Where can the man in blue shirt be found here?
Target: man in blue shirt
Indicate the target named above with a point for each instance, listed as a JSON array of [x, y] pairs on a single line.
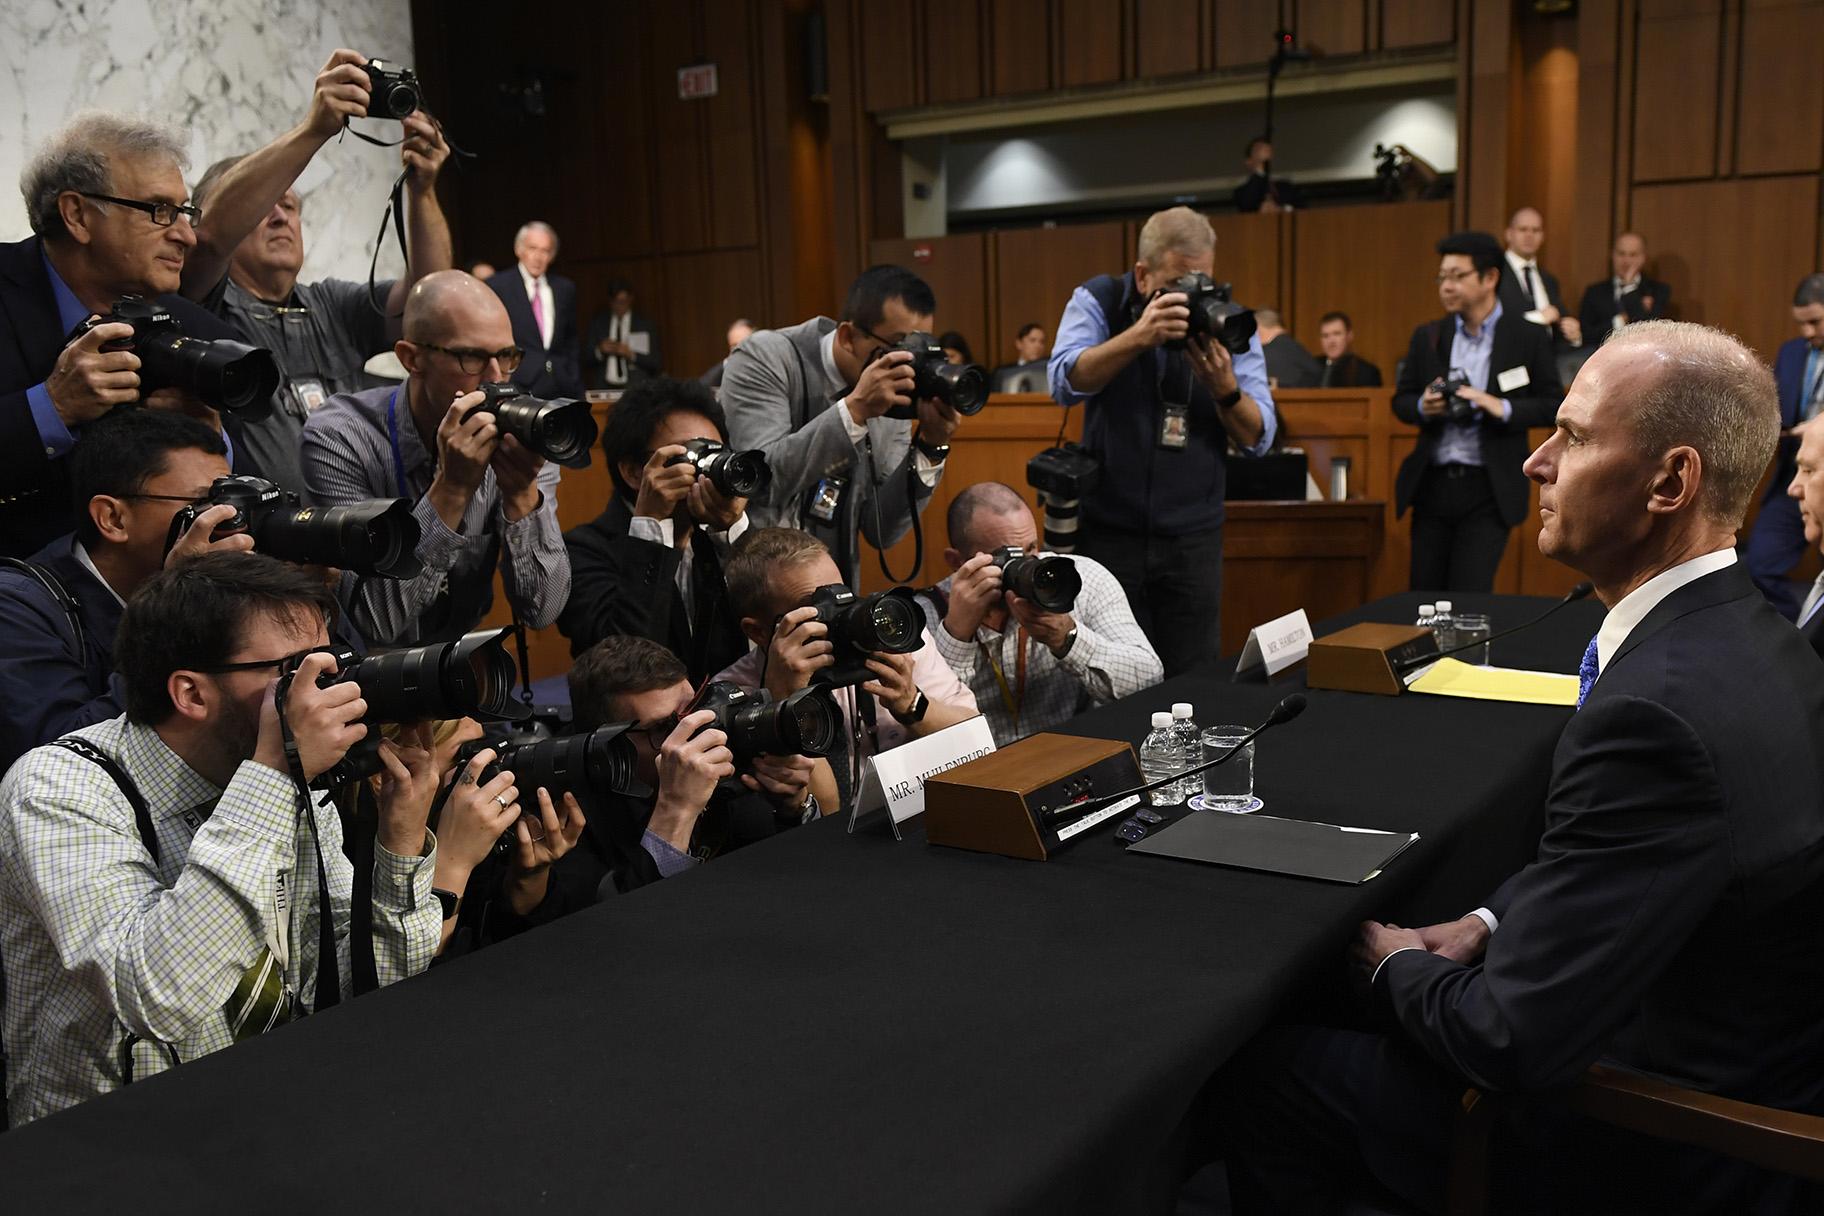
[[1160, 419], [1777, 540]]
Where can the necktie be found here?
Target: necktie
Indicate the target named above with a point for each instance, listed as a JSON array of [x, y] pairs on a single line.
[[1810, 608], [538, 308], [1329, 371], [1814, 387], [1532, 284], [1586, 673]]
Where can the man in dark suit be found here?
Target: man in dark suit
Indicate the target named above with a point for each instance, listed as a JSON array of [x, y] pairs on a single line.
[[542, 307], [1463, 480], [623, 345], [1807, 492], [1342, 367], [105, 197], [1778, 539], [1626, 296], [1289, 364], [651, 564], [1668, 923], [1261, 191], [1528, 289]]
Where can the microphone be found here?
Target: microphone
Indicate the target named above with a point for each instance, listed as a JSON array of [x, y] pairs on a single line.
[[1285, 711], [1580, 591]]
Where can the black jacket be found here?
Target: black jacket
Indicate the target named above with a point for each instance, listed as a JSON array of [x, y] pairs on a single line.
[[1350, 371], [639, 367], [543, 373], [1518, 343], [1517, 300], [1813, 631], [620, 584], [1290, 365], [50, 683], [1597, 311]]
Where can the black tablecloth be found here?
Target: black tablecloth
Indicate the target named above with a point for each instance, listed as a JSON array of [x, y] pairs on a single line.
[[834, 1023]]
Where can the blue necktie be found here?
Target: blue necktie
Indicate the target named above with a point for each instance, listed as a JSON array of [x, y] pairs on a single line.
[[1586, 673]]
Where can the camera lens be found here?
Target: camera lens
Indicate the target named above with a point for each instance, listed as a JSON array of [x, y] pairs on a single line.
[[228, 375], [892, 624], [401, 100], [814, 721], [471, 677], [601, 762], [562, 430], [377, 537], [1052, 583], [962, 387], [738, 474]]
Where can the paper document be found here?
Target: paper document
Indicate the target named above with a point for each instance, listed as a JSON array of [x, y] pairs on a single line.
[[1455, 678]]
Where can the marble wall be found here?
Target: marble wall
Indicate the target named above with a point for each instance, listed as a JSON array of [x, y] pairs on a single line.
[[229, 74]]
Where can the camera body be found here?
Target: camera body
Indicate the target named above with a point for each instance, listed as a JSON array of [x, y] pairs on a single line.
[[886, 622], [228, 375], [963, 387], [1456, 408], [1063, 476], [395, 89], [734, 474], [1214, 314], [1051, 582], [561, 431], [601, 761], [378, 537], [807, 723]]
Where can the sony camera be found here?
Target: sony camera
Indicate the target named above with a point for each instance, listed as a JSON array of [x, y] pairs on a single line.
[[807, 723], [734, 474], [963, 387], [395, 90], [1214, 314], [563, 430], [376, 537], [1051, 582], [601, 761], [1063, 476], [1456, 408], [886, 622], [228, 375]]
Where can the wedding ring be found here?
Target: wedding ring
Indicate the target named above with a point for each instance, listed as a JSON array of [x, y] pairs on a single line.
[[502, 799]]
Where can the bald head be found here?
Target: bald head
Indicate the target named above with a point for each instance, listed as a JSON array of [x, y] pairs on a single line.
[[449, 302], [1628, 256], [984, 508]]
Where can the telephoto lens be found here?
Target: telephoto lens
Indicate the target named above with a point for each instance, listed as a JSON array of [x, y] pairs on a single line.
[[1051, 582], [961, 386], [562, 430], [807, 723], [1213, 314], [376, 537], [886, 622], [603, 761], [225, 374], [734, 474]]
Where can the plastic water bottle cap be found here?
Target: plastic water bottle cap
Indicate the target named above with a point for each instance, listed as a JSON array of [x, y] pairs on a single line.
[[1161, 720], [1181, 709], [1427, 609], [1443, 605]]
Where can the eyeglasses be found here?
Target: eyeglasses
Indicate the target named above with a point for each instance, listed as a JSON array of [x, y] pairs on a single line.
[[883, 341], [1454, 276], [473, 362], [221, 669], [195, 500], [163, 214]]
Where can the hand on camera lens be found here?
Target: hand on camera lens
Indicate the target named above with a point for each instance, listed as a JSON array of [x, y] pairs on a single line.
[[543, 838], [325, 722], [785, 780], [663, 485], [800, 649], [1213, 366], [88, 381], [937, 422], [516, 469], [466, 439], [713, 508], [423, 151], [975, 588], [1049, 629], [886, 382], [1166, 318], [195, 540], [476, 814], [893, 685], [408, 786], [341, 92], [690, 764]]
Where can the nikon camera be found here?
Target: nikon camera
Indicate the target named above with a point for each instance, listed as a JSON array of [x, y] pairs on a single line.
[[376, 537], [226, 374]]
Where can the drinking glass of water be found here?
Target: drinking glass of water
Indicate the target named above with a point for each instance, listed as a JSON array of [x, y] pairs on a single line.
[[1230, 785], [1472, 627]]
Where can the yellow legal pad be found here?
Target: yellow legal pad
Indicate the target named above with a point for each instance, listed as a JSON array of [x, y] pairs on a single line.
[[1453, 678]]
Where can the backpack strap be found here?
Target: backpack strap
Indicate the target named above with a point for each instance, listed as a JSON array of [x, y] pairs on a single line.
[[53, 587], [94, 755]]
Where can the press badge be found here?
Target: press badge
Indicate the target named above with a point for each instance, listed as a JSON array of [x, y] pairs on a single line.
[[307, 395], [1175, 427], [826, 499], [1513, 378]]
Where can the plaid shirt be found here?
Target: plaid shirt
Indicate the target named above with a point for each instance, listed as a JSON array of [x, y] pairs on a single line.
[[1110, 659], [96, 937]]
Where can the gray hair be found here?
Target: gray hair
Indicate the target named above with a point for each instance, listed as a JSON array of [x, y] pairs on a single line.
[[1269, 317], [77, 158], [532, 226], [1709, 392], [1810, 291], [1175, 230]]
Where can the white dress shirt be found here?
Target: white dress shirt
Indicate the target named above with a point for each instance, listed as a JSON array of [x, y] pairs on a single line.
[[546, 312], [664, 532], [1520, 266], [927, 471]]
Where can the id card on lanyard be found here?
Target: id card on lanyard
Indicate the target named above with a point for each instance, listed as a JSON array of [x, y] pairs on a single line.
[[1013, 698], [392, 433]]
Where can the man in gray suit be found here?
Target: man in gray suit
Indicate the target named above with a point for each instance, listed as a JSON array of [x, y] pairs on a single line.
[[831, 404]]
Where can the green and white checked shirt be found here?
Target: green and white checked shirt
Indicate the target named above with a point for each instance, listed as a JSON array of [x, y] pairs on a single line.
[[97, 938]]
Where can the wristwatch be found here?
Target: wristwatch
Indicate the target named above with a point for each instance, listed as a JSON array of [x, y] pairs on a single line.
[[936, 453], [1070, 639], [1231, 401], [449, 900], [915, 715]]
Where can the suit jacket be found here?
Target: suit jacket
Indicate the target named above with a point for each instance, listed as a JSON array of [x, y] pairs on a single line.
[[1291, 365], [1597, 311], [552, 372], [49, 684], [1350, 371], [620, 584], [1669, 922], [1813, 632], [35, 505], [1789, 373], [1518, 343], [1516, 299], [639, 367]]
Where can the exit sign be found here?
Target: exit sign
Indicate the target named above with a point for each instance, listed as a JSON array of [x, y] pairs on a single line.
[[697, 81]]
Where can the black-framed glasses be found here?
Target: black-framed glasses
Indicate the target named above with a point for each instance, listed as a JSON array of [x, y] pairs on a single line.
[[473, 362], [289, 661], [163, 214], [886, 342], [195, 500]]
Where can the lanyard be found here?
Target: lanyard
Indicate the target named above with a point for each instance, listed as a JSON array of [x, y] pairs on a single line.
[[392, 432], [1014, 702]]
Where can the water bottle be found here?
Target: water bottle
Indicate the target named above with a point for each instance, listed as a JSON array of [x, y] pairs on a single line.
[[1428, 615], [1190, 749], [1160, 757], [1444, 625]]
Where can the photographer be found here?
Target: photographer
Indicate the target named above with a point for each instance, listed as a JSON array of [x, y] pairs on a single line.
[[106, 200], [483, 498], [651, 563], [1029, 666], [161, 892], [815, 398], [772, 579], [1463, 480], [250, 248], [1160, 419]]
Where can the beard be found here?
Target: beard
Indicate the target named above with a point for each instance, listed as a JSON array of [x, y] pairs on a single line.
[[237, 732]]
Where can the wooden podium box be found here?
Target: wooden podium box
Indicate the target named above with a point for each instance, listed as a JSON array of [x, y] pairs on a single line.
[[999, 803]]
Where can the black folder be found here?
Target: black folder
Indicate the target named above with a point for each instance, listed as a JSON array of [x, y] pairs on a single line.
[[1278, 846]]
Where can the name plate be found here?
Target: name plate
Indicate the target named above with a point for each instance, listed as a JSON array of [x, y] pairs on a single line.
[[1278, 644], [894, 781]]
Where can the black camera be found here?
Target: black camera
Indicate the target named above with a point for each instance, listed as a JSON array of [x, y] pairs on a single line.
[[395, 90], [1456, 409], [603, 761], [1214, 314], [376, 537], [1063, 476], [1051, 582], [961, 386], [735, 474], [807, 723], [228, 375], [562, 430], [886, 622]]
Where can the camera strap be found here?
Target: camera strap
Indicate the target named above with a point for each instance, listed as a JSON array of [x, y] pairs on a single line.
[[392, 433], [395, 205], [918, 530], [364, 825], [329, 976]]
